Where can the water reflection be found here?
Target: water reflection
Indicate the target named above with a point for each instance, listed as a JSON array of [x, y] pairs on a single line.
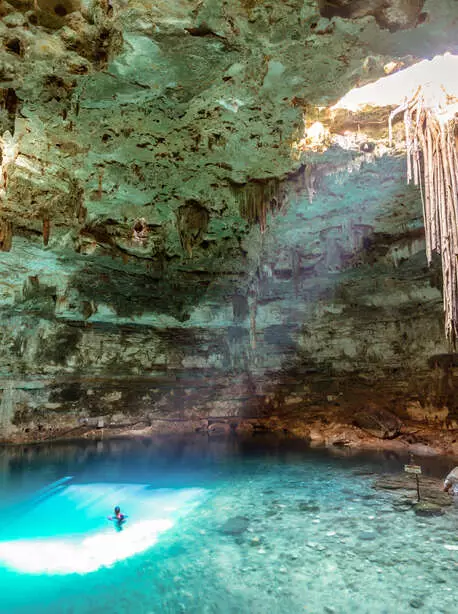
[[170, 460]]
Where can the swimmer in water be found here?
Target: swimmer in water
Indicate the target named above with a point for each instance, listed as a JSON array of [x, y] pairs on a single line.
[[119, 518]]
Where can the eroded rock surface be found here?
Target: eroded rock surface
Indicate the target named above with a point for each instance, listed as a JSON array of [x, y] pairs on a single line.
[[433, 502], [170, 253]]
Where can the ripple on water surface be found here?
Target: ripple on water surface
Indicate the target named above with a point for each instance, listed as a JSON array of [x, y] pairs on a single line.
[[272, 529]]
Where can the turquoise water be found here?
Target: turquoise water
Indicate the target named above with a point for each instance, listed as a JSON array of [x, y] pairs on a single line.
[[216, 526]]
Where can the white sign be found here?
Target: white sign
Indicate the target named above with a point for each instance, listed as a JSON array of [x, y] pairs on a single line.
[[412, 469]]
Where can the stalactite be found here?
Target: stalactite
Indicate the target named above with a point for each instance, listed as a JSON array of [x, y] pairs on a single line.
[[80, 209], [46, 230], [192, 224], [6, 235], [310, 182], [7, 409], [100, 183], [253, 313], [296, 269], [257, 199], [240, 308], [432, 164]]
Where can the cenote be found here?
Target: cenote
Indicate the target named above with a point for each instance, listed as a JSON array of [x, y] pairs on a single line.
[[217, 525], [228, 306]]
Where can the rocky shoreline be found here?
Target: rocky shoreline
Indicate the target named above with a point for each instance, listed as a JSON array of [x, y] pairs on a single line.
[[432, 501], [412, 438]]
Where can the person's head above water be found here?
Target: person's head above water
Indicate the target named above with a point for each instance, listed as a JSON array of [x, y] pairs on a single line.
[[117, 510]]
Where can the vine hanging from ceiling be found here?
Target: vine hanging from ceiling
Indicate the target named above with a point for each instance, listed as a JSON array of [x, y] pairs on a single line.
[[432, 164]]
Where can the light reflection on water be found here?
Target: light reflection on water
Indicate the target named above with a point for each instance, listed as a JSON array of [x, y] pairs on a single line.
[[311, 535], [65, 528]]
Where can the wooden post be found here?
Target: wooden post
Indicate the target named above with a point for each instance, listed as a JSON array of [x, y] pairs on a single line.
[[416, 469]]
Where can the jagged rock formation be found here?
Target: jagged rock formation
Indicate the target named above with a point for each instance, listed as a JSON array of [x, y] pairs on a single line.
[[169, 252]]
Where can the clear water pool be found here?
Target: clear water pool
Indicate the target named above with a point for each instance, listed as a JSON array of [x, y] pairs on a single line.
[[216, 526]]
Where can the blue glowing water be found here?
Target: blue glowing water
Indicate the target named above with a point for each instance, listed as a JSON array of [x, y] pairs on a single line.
[[216, 526]]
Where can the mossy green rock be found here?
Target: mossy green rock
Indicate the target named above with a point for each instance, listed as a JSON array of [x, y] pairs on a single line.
[[172, 252], [424, 508]]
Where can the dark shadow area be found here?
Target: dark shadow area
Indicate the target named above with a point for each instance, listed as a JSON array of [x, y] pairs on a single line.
[[134, 294], [168, 460]]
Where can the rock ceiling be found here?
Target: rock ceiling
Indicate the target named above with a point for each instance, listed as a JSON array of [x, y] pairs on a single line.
[[152, 179]]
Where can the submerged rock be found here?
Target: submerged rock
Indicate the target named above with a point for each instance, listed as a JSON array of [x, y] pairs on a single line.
[[432, 499], [367, 535], [417, 603], [403, 505], [219, 428], [271, 513], [425, 508], [430, 488], [394, 482], [308, 506], [236, 525]]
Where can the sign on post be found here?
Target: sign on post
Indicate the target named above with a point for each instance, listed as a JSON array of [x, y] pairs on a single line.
[[415, 469], [412, 469]]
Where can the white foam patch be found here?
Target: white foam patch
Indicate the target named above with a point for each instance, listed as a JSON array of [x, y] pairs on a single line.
[[73, 535]]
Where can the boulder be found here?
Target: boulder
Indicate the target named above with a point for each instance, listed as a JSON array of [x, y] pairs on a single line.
[[308, 506], [424, 508], [378, 422], [433, 501], [236, 525], [219, 428], [367, 535]]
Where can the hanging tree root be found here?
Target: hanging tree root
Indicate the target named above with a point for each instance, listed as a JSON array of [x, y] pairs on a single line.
[[432, 164]]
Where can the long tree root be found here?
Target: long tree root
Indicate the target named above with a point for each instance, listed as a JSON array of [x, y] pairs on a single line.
[[432, 163]]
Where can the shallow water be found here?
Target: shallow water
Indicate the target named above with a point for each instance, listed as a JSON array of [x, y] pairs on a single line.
[[216, 526]]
